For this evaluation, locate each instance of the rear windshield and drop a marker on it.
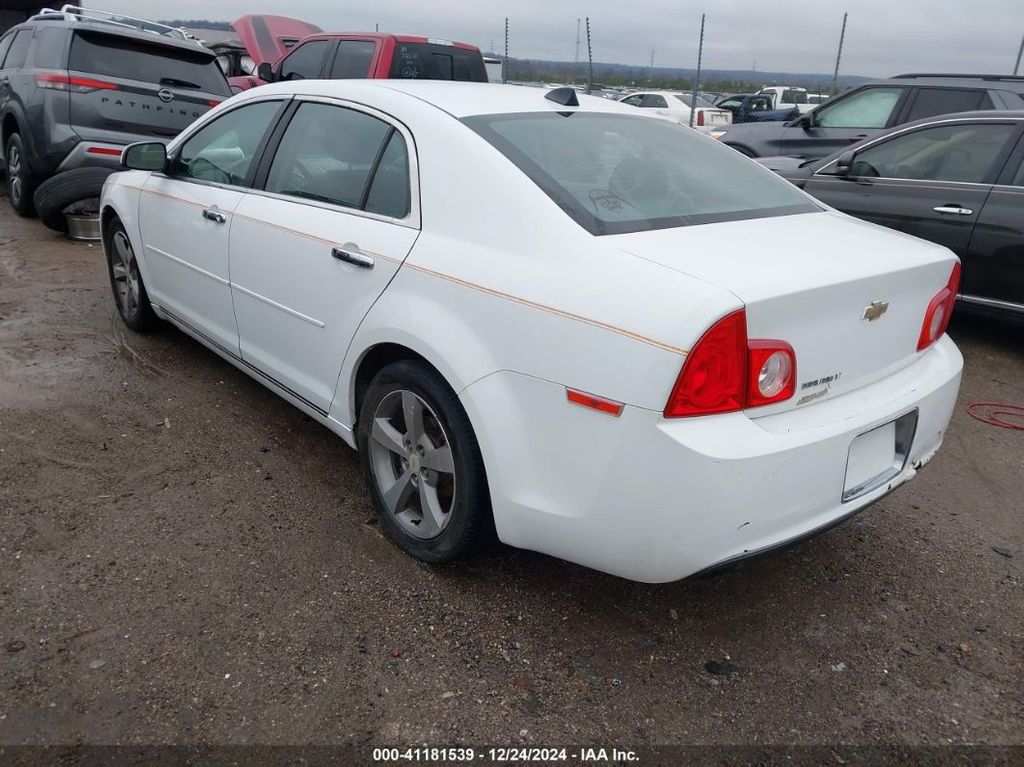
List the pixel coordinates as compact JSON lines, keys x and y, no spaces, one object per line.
{"x":615,"y":173}
{"x":794,"y":97}
{"x":428,"y":61}
{"x":120,"y":57}
{"x":686,"y":98}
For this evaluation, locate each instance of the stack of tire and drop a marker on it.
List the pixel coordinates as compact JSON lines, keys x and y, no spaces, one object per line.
{"x":76,"y":190}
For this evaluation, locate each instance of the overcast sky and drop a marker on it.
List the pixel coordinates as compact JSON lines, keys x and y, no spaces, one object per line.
{"x":883,"y":37}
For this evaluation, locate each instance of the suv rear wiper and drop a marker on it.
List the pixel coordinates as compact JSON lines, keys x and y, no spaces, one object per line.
{"x":179,"y":83}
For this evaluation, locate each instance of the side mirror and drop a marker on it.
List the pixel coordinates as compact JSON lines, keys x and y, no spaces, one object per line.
{"x":844,"y":163}
{"x":144,"y":155}
{"x":265,"y":72}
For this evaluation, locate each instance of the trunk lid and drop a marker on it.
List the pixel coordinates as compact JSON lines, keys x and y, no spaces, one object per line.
{"x":123,"y":86}
{"x":809,"y":280}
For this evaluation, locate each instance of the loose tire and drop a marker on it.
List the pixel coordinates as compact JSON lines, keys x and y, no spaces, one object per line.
{"x":126,"y":282}
{"x":65,"y":189}
{"x":21,"y":181}
{"x":422,"y":464}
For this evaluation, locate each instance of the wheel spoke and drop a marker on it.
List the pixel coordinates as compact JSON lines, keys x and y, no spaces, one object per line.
{"x":413,"y":409}
{"x":387,"y":435}
{"x":433,"y":514}
{"x":120,"y":270}
{"x":439,"y":459}
{"x":397,"y":496}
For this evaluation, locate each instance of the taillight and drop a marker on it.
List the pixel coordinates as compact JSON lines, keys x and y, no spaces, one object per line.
{"x":725,"y":372}
{"x":700,"y":118}
{"x":61,"y":81}
{"x":939,"y":312}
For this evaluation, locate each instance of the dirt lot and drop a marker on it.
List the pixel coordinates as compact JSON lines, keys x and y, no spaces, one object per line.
{"x":184,"y":558}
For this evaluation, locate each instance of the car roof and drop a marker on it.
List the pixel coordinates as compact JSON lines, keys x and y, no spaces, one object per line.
{"x":386,"y":36}
{"x":994,"y":82}
{"x":98,"y":27}
{"x":459,"y":99}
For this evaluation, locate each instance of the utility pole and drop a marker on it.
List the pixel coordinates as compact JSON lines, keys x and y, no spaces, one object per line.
{"x":504,"y":64}
{"x":839,"y":55}
{"x":1016,"y":67}
{"x":650,"y":72}
{"x":696,"y":81}
{"x":576,"y":60}
{"x":590,"y":60}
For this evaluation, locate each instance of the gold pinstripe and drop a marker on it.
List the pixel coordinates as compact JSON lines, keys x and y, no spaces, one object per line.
{"x":449,"y":278}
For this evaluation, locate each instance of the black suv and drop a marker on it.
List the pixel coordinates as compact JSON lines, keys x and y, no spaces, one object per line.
{"x":76,"y":87}
{"x":871,"y":108}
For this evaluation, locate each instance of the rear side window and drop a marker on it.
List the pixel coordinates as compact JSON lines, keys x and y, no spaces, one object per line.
{"x":328,"y":153}
{"x":49,"y":50}
{"x":615,"y":173}
{"x":352,"y":59}
{"x":124,"y":58}
{"x":654,"y":101}
{"x":429,"y":61}
{"x":5,"y":45}
{"x":19,"y":50}
{"x":942,"y":101}
{"x":306,"y":61}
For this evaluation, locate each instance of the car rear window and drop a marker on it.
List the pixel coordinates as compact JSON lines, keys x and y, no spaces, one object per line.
{"x":615,"y":173}
{"x":121,"y":57}
{"x":431,"y":61}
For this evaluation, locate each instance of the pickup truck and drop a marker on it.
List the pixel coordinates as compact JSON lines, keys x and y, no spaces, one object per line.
{"x":372,"y":55}
{"x":788,"y":97}
{"x":754,"y":107}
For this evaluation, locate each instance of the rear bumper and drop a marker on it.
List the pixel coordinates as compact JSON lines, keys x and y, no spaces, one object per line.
{"x":656,"y":500}
{"x":92,"y":154}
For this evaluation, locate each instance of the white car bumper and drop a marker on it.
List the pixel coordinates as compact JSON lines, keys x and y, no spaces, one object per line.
{"x":654,"y":500}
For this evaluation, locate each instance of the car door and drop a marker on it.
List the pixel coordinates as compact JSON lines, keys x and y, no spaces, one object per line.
{"x":313,"y":250}
{"x":186,"y":214}
{"x":842,"y":122}
{"x":996,"y":251}
{"x":931,"y":182}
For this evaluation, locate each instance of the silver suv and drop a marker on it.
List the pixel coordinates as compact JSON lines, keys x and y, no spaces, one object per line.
{"x":78,"y":85}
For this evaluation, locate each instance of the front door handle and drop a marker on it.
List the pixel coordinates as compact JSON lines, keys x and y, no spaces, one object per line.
{"x":954,"y":210}
{"x":214,"y":215}
{"x":356,"y":259}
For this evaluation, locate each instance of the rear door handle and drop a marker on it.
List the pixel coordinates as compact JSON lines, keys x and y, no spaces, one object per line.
{"x":953,"y":210}
{"x":214,"y":215}
{"x":356,"y":259}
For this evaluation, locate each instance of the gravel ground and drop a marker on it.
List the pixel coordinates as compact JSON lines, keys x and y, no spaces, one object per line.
{"x":184,"y":558}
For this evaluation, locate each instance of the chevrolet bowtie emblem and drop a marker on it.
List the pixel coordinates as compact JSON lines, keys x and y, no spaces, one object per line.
{"x":874,"y":310}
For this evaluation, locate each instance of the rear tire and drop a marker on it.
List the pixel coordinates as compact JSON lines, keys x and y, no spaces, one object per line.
{"x":65,"y":189}
{"x":422,"y":464}
{"x":130,"y":295}
{"x":21,"y":181}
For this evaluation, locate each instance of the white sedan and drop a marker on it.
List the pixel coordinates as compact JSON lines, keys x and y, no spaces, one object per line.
{"x":587,"y":331}
{"x":675,"y":106}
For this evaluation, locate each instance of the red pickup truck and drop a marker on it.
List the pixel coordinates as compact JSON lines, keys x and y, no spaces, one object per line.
{"x":359,"y":55}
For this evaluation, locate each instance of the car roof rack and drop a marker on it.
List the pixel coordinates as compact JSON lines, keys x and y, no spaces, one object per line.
{"x":959,"y":76}
{"x":77,"y":13}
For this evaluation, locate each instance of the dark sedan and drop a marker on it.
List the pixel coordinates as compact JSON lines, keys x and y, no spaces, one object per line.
{"x":957,"y":180}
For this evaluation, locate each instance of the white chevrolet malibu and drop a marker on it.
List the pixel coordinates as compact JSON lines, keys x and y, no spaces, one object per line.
{"x":590,"y":332}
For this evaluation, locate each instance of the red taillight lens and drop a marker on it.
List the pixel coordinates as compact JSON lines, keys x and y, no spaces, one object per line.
{"x":725,"y":372}
{"x":772,"y":373}
{"x":940,"y":310}
{"x":700,"y":118}
{"x":714,"y":375}
{"x":61,"y":81}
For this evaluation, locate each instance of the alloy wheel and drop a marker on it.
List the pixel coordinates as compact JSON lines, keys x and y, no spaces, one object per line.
{"x":125,"y":270}
{"x":412,"y":464}
{"x":14,"y":174}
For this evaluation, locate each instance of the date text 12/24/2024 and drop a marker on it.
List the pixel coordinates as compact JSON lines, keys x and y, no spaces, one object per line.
{"x":502,"y":754}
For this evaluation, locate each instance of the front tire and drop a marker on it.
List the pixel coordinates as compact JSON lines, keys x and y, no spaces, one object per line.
{"x":21,"y":181}
{"x":126,"y":280}
{"x":422,"y":464}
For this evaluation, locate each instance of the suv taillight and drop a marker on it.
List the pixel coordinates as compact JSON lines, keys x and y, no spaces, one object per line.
{"x":940,"y":309}
{"x":700,"y":118}
{"x":726,"y":372}
{"x":61,"y":81}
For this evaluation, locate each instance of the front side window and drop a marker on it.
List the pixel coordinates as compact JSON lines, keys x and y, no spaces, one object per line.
{"x":943,"y":101}
{"x":224,"y":150}
{"x":305,"y":62}
{"x":330,"y":153}
{"x":352,"y":59}
{"x":964,"y":153}
{"x":633,"y":101}
{"x":868,"y":109}
{"x":615,"y":173}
